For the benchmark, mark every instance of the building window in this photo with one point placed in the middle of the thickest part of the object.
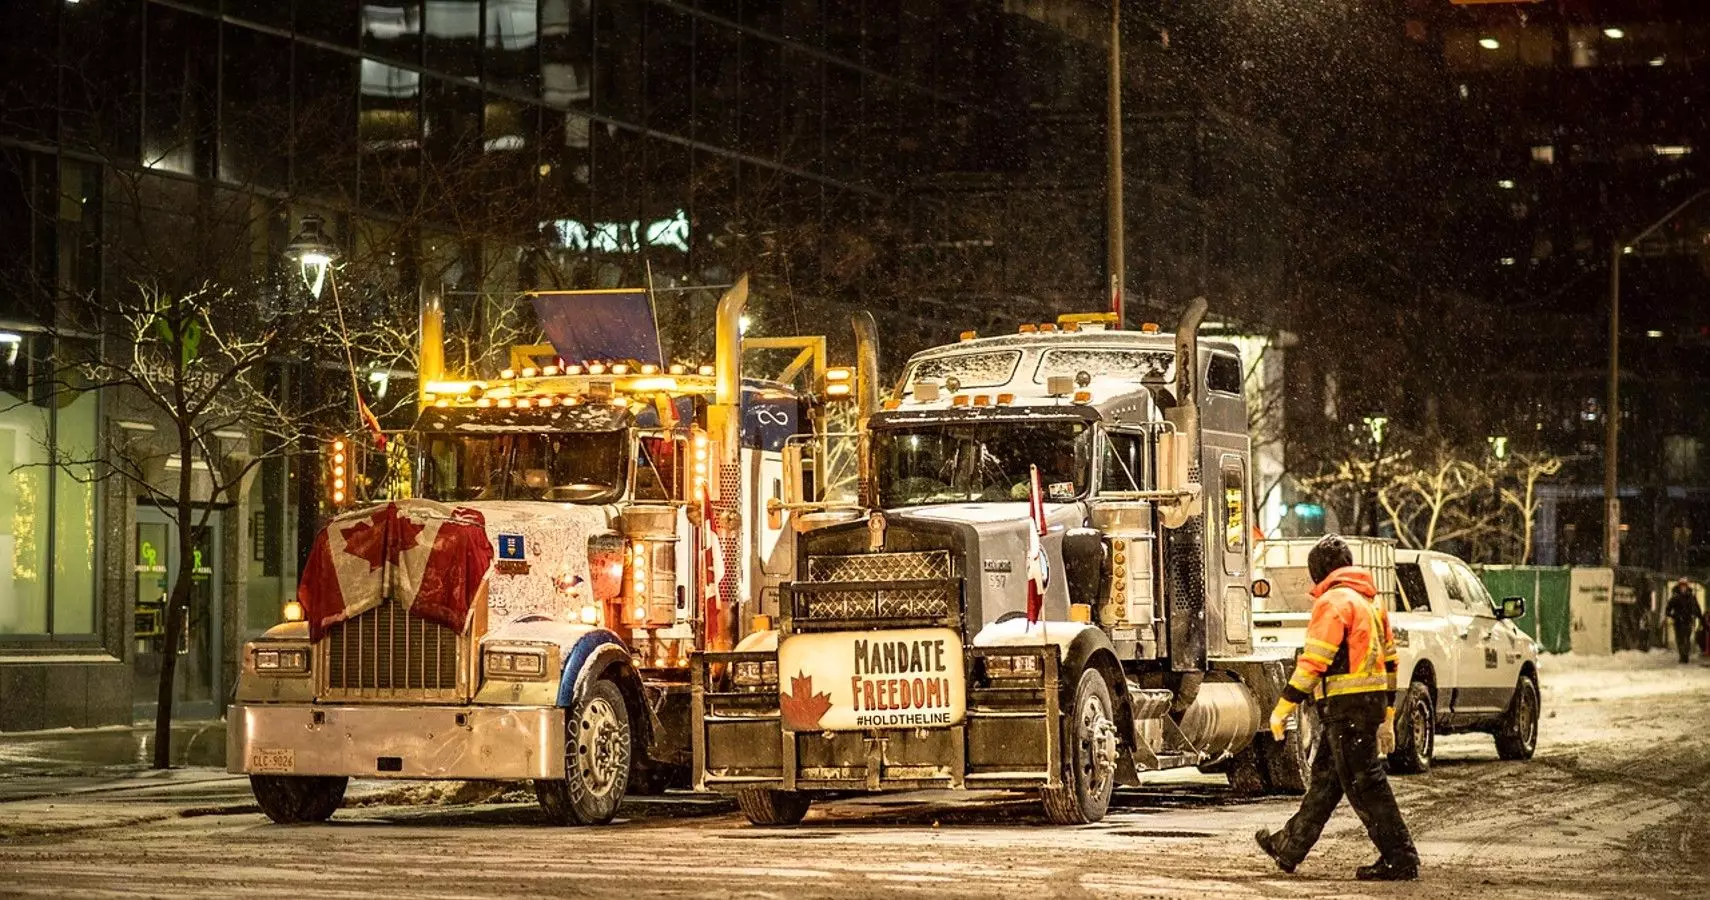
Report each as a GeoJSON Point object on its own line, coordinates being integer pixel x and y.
{"type": "Point", "coordinates": [47, 513]}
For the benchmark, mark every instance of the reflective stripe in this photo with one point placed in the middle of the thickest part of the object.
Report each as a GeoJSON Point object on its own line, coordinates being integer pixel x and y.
{"type": "Point", "coordinates": [1304, 681]}
{"type": "Point", "coordinates": [1337, 685]}
{"type": "Point", "coordinates": [1322, 661]}
{"type": "Point", "coordinates": [1328, 648]}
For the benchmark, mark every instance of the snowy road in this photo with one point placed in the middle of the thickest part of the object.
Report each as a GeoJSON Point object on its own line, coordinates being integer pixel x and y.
{"type": "Point", "coordinates": [1616, 804]}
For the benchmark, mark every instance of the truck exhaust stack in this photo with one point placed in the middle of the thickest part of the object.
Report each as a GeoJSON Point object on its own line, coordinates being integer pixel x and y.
{"type": "Point", "coordinates": [866, 399]}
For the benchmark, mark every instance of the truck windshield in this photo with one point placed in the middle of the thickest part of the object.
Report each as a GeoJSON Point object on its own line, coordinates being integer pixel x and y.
{"type": "Point", "coordinates": [980, 461]}
{"type": "Point", "coordinates": [573, 467]}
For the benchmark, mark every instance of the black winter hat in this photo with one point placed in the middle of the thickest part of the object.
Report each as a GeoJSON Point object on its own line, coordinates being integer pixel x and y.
{"type": "Point", "coordinates": [1329, 554]}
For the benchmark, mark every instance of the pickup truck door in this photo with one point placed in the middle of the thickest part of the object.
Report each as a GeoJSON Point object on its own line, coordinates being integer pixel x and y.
{"type": "Point", "coordinates": [1475, 669]}
{"type": "Point", "coordinates": [1498, 645]}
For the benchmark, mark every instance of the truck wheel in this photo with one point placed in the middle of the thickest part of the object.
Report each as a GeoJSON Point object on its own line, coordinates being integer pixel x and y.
{"type": "Point", "coordinates": [1415, 732]}
{"type": "Point", "coordinates": [1517, 736]}
{"type": "Point", "coordinates": [1287, 764]}
{"type": "Point", "coordinates": [768, 807]}
{"type": "Point", "coordinates": [289, 799]}
{"type": "Point", "coordinates": [596, 760]}
{"type": "Point", "coordinates": [1090, 757]}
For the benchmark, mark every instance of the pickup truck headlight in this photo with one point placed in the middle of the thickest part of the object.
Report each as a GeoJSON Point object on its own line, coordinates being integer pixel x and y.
{"type": "Point", "coordinates": [514, 663]}
{"type": "Point", "coordinates": [1016, 667]}
{"type": "Point", "coordinates": [755, 676]}
{"type": "Point", "coordinates": [280, 661]}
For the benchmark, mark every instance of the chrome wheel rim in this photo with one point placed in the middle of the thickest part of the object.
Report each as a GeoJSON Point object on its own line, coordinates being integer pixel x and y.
{"type": "Point", "coordinates": [1098, 746]}
{"type": "Point", "coordinates": [598, 747]}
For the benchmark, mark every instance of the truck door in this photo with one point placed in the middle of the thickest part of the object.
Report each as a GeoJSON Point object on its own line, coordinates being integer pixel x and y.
{"type": "Point", "coordinates": [1496, 649]}
{"type": "Point", "coordinates": [1473, 669]}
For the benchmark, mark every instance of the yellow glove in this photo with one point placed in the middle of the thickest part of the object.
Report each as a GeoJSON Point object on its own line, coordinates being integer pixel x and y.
{"type": "Point", "coordinates": [1279, 717]}
{"type": "Point", "coordinates": [1386, 733]}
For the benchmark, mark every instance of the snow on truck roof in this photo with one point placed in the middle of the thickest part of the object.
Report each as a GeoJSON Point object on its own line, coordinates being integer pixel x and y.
{"type": "Point", "coordinates": [1018, 367]}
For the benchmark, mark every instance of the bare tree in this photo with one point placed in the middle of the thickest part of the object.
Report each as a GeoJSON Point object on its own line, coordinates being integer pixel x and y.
{"type": "Point", "coordinates": [1526, 470]}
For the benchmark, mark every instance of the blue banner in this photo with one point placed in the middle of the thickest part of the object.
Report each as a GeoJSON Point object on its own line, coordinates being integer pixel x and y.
{"type": "Point", "coordinates": [600, 326]}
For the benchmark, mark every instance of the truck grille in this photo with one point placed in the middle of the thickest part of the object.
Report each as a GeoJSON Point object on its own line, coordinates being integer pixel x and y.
{"type": "Point", "coordinates": [917, 585]}
{"type": "Point", "coordinates": [388, 653]}
{"type": "Point", "coordinates": [880, 566]}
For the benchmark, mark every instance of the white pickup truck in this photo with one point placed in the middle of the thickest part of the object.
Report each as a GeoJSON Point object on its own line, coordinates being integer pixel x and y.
{"type": "Point", "coordinates": [1464, 665]}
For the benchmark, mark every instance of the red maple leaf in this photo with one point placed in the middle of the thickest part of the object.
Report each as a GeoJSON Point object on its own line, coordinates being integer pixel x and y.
{"type": "Point", "coordinates": [382, 537]}
{"type": "Point", "coordinates": [801, 709]}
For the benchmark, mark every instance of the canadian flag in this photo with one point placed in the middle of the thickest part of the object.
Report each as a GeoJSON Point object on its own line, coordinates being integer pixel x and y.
{"type": "Point", "coordinates": [429, 557]}
{"type": "Point", "coordinates": [1038, 564]}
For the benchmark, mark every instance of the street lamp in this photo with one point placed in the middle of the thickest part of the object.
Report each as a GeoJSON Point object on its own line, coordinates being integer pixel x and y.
{"type": "Point", "coordinates": [1612, 415]}
{"type": "Point", "coordinates": [313, 252]}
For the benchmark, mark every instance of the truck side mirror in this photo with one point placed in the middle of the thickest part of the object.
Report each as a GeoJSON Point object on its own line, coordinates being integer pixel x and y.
{"type": "Point", "coordinates": [1176, 454]}
{"type": "Point", "coordinates": [1512, 608]}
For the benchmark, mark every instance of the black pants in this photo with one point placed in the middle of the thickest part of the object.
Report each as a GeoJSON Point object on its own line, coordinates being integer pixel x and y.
{"type": "Point", "coordinates": [1345, 762]}
{"type": "Point", "coordinates": [1683, 639]}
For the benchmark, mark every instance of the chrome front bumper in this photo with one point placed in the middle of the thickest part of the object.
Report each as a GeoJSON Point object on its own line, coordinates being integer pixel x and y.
{"type": "Point", "coordinates": [457, 742]}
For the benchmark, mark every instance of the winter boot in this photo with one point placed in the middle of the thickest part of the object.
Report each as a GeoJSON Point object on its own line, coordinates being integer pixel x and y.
{"type": "Point", "coordinates": [1387, 871]}
{"type": "Point", "coordinates": [1267, 842]}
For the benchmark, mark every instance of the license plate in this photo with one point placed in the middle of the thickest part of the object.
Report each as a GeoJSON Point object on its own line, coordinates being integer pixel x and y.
{"type": "Point", "coordinates": [273, 761]}
{"type": "Point", "coordinates": [852, 681]}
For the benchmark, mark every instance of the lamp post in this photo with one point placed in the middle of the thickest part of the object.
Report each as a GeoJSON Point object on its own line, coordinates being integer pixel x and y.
{"type": "Point", "coordinates": [312, 252]}
{"type": "Point", "coordinates": [1612, 414]}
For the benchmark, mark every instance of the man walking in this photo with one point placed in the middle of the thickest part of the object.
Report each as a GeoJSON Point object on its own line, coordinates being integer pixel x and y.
{"type": "Point", "coordinates": [1683, 609]}
{"type": "Point", "coordinates": [1349, 664]}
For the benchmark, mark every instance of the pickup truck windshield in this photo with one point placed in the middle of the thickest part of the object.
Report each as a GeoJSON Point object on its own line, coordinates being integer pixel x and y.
{"type": "Point", "coordinates": [981, 461]}
{"type": "Point", "coordinates": [566, 467]}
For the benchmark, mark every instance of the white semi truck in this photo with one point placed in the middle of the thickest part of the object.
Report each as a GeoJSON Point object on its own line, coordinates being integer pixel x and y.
{"type": "Point", "coordinates": [973, 625]}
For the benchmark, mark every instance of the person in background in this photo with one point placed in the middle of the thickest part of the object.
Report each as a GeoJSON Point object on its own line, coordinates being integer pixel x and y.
{"type": "Point", "coordinates": [1683, 609]}
{"type": "Point", "coordinates": [1349, 663]}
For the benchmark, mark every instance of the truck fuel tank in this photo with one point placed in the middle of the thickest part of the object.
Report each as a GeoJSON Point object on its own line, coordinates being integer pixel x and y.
{"type": "Point", "coordinates": [1222, 720]}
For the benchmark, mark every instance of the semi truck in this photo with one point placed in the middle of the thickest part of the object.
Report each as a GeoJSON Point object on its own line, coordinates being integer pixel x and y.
{"type": "Point", "coordinates": [525, 606]}
{"type": "Point", "coordinates": [1045, 587]}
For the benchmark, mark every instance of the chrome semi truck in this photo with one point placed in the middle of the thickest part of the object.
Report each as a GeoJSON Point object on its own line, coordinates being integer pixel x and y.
{"type": "Point", "coordinates": [524, 607]}
{"type": "Point", "coordinates": [1046, 587]}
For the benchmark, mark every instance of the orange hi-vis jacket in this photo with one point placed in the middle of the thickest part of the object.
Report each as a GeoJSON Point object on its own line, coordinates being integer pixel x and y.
{"type": "Point", "coordinates": [1350, 648]}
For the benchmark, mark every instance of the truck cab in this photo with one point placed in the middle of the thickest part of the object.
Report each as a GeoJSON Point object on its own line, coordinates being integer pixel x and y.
{"type": "Point", "coordinates": [524, 606]}
{"type": "Point", "coordinates": [1046, 588]}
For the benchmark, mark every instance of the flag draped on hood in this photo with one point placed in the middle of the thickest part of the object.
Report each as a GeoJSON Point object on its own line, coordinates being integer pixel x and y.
{"type": "Point", "coordinates": [428, 557]}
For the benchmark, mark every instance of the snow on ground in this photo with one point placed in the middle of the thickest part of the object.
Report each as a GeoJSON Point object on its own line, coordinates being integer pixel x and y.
{"type": "Point", "coordinates": [1616, 804]}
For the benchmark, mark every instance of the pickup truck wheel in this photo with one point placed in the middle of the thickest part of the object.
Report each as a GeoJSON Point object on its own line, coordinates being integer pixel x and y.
{"type": "Point", "coordinates": [769, 807]}
{"type": "Point", "coordinates": [290, 799]}
{"type": "Point", "coordinates": [1517, 736]}
{"type": "Point", "coordinates": [596, 760]}
{"type": "Point", "coordinates": [1415, 732]}
{"type": "Point", "coordinates": [1287, 764]}
{"type": "Point", "coordinates": [1089, 754]}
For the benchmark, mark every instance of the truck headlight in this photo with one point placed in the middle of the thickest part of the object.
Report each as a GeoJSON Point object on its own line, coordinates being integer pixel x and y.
{"type": "Point", "coordinates": [1020, 666]}
{"type": "Point", "coordinates": [755, 676]}
{"type": "Point", "coordinates": [514, 663]}
{"type": "Point", "coordinates": [280, 660]}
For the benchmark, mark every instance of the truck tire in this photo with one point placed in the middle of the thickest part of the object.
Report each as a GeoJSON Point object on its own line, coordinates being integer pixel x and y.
{"type": "Point", "coordinates": [1287, 764]}
{"type": "Point", "coordinates": [1245, 771]}
{"type": "Point", "coordinates": [1089, 751]}
{"type": "Point", "coordinates": [770, 808]}
{"type": "Point", "coordinates": [1517, 736]}
{"type": "Point", "coordinates": [596, 760]}
{"type": "Point", "coordinates": [1415, 732]}
{"type": "Point", "coordinates": [290, 799]}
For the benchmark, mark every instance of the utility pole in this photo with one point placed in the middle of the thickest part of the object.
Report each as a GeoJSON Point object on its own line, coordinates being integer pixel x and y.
{"type": "Point", "coordinates": [1612, 416]}
{"type": "Point", "coordinates": [1113, 177]}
